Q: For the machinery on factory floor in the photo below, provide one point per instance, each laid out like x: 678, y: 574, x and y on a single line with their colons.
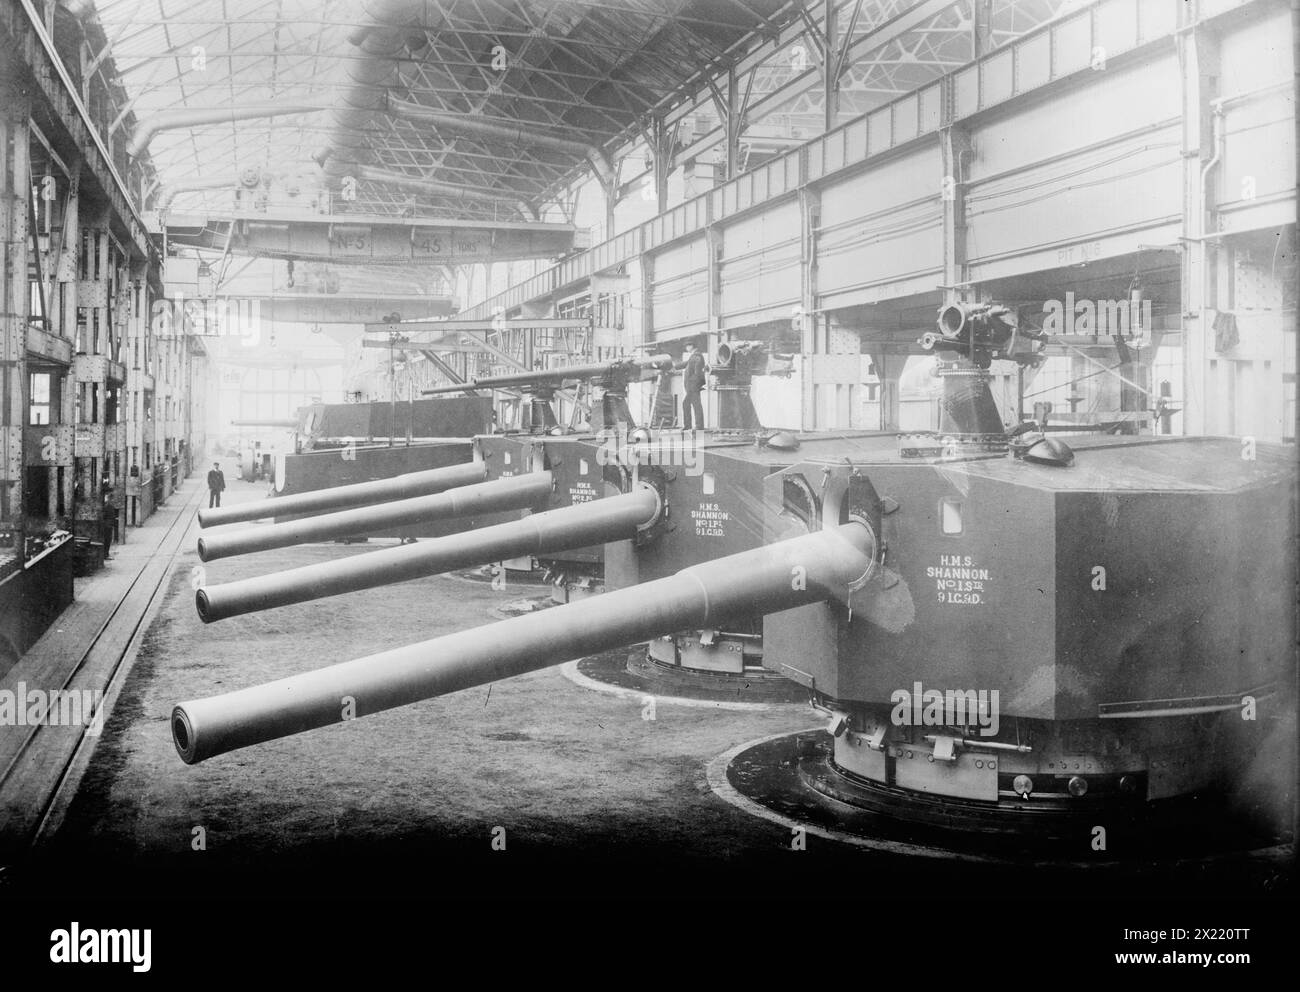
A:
x: 608, y: 381
x: 1005, y: 660
x: 705, y: 482
x: 374, y: 426
x: 973, y: 611
x: 585, y: 465
x: 345, y: 445
x: 545, y: 446
x: 349, y: 444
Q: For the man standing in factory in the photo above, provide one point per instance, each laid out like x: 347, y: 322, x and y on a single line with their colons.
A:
x: 107, y: 519
x: 216, y: 483
x: 693, y: 379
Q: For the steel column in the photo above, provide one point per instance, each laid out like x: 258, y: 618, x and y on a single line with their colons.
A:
x: 1198, y: 55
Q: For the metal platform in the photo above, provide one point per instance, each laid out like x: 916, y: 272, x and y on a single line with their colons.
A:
x: 794, y: 778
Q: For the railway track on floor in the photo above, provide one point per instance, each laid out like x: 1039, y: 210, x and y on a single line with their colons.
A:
x: 40, y: 770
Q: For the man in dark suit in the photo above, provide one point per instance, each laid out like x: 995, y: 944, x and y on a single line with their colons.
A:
x: 693, y: 378
x: 216, y: 483
x: 107, y: 519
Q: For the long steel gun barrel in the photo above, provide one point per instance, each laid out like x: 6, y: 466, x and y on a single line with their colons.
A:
x: 614, y: 518
x: 828, y: 564
x: 529, y: 491
x: 405, y: 486
x: 621, y: 371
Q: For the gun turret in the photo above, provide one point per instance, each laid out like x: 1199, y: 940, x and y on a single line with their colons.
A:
x: 982, y: 332
x: 612, y: 378
x: 969, y: 337
x: 734, y: 367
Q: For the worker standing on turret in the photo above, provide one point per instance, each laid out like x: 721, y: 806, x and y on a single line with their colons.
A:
x: 693, y: 379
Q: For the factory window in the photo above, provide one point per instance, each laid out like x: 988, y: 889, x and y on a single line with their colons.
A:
x: 276, y: 393
x: 38, y: 410
x: 950, y: 516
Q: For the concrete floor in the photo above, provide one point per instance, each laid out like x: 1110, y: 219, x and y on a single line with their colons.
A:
x: 593, y: 797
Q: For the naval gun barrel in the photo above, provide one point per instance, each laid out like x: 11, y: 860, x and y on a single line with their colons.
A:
x: 824, y: 565
x: 749, y: 358
x: 981, y: 332
x: 406, y: 486
x: 614, y: 518
x: 529, y: 491
x: 627, y: 368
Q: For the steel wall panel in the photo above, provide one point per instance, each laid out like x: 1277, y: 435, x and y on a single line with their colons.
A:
x: 875, y: 230
x: 760, y: 266
x: 680, y: 294
x: 1114, y: 171
x: 1258, y: 163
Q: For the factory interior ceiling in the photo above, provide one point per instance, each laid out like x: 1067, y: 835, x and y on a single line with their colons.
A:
x: 382, y: 89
